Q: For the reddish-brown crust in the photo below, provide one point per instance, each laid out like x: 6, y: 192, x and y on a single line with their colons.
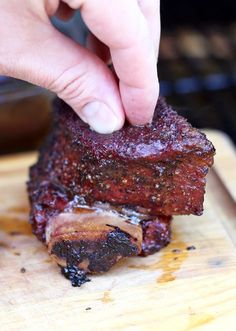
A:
x: 157, y: 169
x: 98, y: 198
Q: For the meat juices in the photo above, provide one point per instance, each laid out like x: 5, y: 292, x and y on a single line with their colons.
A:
x: 98, y: 198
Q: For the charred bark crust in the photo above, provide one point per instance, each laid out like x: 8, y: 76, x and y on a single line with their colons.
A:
x: 143, y: 174
x: 96, y: 256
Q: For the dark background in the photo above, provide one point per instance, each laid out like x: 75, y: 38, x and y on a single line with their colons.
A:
x: 202, y: 88
x: 196, y: 12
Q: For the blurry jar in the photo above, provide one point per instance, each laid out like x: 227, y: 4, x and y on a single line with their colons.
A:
x: 25, y: 115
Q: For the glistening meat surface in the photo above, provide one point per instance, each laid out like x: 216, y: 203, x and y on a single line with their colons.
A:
x: 128, y: 184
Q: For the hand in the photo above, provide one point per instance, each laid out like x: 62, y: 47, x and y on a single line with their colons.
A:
x: 33, y: 50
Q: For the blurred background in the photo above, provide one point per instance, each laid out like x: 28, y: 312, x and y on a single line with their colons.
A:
x: 197, y: 70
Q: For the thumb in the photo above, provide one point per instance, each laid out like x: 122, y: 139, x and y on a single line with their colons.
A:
x: 45, y: 57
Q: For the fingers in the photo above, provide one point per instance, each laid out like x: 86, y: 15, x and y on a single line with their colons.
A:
x: 84, y: 82
x: 45, y: 57
x: 151, y: 10
x: 122, y: 26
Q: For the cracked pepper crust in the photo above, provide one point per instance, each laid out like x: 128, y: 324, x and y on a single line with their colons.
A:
x: 158, y: 169
x: 145, y: 174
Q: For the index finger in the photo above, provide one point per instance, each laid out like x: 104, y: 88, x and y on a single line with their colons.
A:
x: 124, y: 29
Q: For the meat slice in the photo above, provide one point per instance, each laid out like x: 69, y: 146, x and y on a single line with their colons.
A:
x: 94, y: 240
x: 97, y: 198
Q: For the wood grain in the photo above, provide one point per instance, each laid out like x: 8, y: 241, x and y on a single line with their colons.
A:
x: 177, y: 289
x: 225, y: 159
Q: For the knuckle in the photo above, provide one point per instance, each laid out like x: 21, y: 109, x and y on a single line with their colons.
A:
x: 148, y: 7
x: 70, y: 85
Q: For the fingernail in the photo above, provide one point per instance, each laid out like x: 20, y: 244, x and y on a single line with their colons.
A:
x: 99, y: 117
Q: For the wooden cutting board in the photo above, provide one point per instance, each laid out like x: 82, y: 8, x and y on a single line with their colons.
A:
x: 178, y: 289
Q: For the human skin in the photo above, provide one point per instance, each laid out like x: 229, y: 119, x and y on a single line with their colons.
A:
x: 127, y: 31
